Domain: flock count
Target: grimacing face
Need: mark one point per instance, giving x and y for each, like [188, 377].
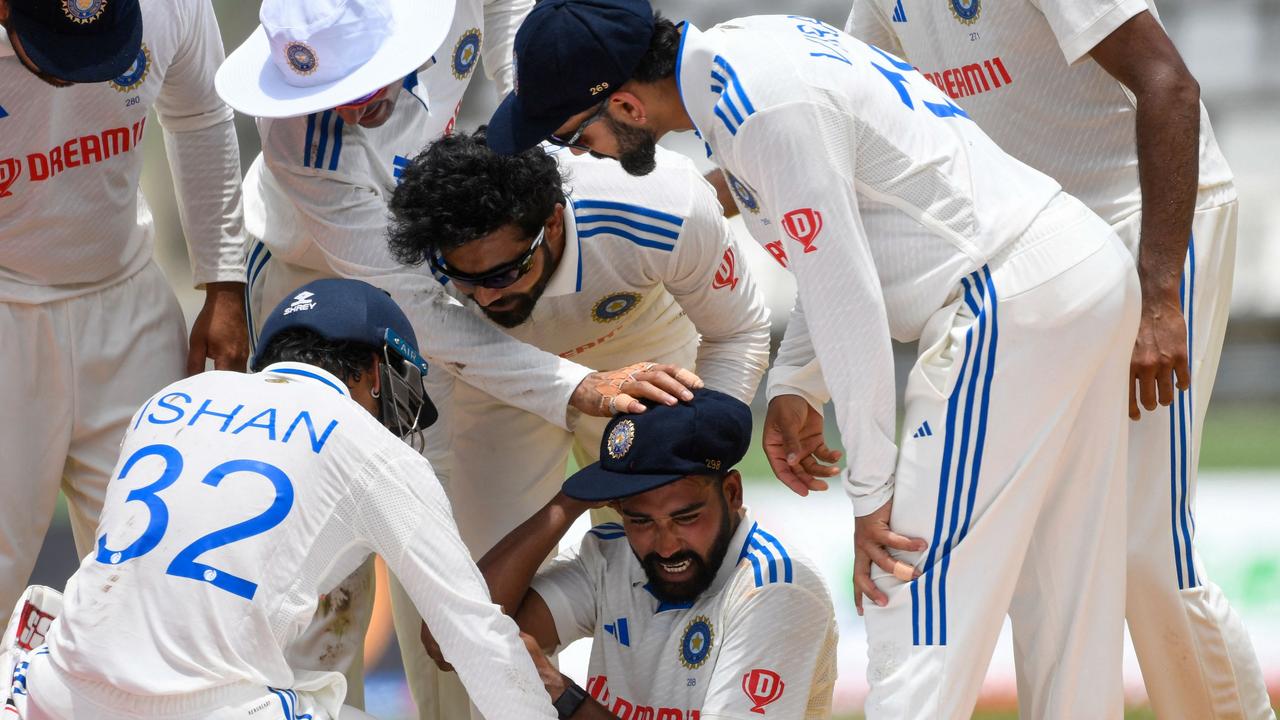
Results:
[680, 532]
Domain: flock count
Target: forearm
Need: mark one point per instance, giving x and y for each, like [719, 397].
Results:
[1168, 131]
[508, 568]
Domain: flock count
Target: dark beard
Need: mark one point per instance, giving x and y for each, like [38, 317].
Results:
[636, 147]
[524, 302]
[704, 568]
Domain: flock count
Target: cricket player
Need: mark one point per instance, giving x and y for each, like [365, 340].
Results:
[1123, 130]
[238, 499]
[339, 121]
[90, 324]
[900, 219]
[572, 256]
[695, 609]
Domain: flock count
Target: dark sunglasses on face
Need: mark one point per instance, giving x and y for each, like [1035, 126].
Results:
[496, 278]
[572, 140]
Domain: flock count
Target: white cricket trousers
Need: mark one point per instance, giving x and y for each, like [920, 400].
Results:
[1196, 657]
[39, 691]
[1011, 467]
[75, 372]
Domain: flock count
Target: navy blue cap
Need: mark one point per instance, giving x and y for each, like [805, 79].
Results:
[569, 56]
[80, 41]
[706, 436]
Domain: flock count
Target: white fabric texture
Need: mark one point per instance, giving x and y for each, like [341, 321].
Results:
[75, 380]
[882, 194]
[76, 221]
[672, 661]
[251, 437]
[1073, 122]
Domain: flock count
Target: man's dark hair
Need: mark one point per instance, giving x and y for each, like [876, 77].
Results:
[458, 190]
[346, 360]
[659, 61]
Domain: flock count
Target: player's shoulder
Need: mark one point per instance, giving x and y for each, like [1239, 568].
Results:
[768, 561]
[605, 545]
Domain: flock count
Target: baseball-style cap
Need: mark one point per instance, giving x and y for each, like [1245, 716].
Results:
[569, 55]
[80, 41]
[705, 436]
[315, 55]
[346, 310]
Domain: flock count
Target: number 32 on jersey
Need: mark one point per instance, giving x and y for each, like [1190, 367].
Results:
[184, 562]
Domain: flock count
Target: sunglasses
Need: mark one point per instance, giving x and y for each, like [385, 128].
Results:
[504, 275]
[361, 101]
[572, 140]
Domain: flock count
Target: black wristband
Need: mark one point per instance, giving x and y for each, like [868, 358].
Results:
[570, 700]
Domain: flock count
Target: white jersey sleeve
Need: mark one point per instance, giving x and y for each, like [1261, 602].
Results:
[501, 20]
[836, 276]
[405, 517]
[707, 275]
[347, 220]
[569, 586]
[1079, 25]
[777, 645]
[204, 156]
[870, 26]
[796, 370]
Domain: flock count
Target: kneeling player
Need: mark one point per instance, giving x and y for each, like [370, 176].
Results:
[239, 499]
[695, 609]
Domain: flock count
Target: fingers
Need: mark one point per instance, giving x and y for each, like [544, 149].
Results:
[651, 391]
[862, 580]
[886, 562]
[433, 649]
[196, 355]
[1134, 412]
[624, 403]
[889, 538]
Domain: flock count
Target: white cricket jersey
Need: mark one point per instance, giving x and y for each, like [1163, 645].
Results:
[760, 642]
[1021, 70]
[869, 184]
[237, 501]
[649, 266]
[72, 215]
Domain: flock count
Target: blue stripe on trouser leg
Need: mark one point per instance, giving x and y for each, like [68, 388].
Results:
[1180, 461]
[974, 381]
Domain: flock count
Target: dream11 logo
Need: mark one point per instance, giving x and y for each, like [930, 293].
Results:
[803, 226]
[762, 687]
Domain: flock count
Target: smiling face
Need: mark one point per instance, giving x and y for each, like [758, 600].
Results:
[680, 532]
[511, 305]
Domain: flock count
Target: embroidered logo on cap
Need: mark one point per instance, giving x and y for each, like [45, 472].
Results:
[620, 439]
[301, 301]
[301, 57]
[83, 12]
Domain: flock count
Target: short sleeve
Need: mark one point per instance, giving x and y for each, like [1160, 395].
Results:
[1079, 25]
[570, 585]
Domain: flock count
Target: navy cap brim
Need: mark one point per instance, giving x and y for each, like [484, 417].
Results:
[510, 131]
[110, 54]
[593, 483]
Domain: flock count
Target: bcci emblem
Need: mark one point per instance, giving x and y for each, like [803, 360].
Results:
[466, 53]
[137, 72]
[966, 11]
[620, 439]
[612, 307]
[302, 59]
[745, 197]
[695, 646]
[83, 12]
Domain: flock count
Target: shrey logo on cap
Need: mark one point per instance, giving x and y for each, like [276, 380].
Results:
[301, 57]
[83, 12]
[301, 301]
[620, 438]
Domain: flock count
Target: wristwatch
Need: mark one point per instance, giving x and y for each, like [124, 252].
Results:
[570, 700]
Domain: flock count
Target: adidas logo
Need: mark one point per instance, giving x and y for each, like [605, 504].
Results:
[923, 431]
[301, 301]
[899, 15]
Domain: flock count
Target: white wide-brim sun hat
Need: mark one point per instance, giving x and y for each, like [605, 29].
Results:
[313, 55]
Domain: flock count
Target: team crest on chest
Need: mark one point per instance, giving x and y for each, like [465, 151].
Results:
[695, 644]
[745, 196]
[133, 78]
[466, 53]
[966, 11]
[301, 57]
[611, 307]
[620, 439]
[83, 12]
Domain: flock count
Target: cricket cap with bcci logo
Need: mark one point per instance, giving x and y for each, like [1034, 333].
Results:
[708, 435]
[313, 55]
[79, 41]
[569, 56]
